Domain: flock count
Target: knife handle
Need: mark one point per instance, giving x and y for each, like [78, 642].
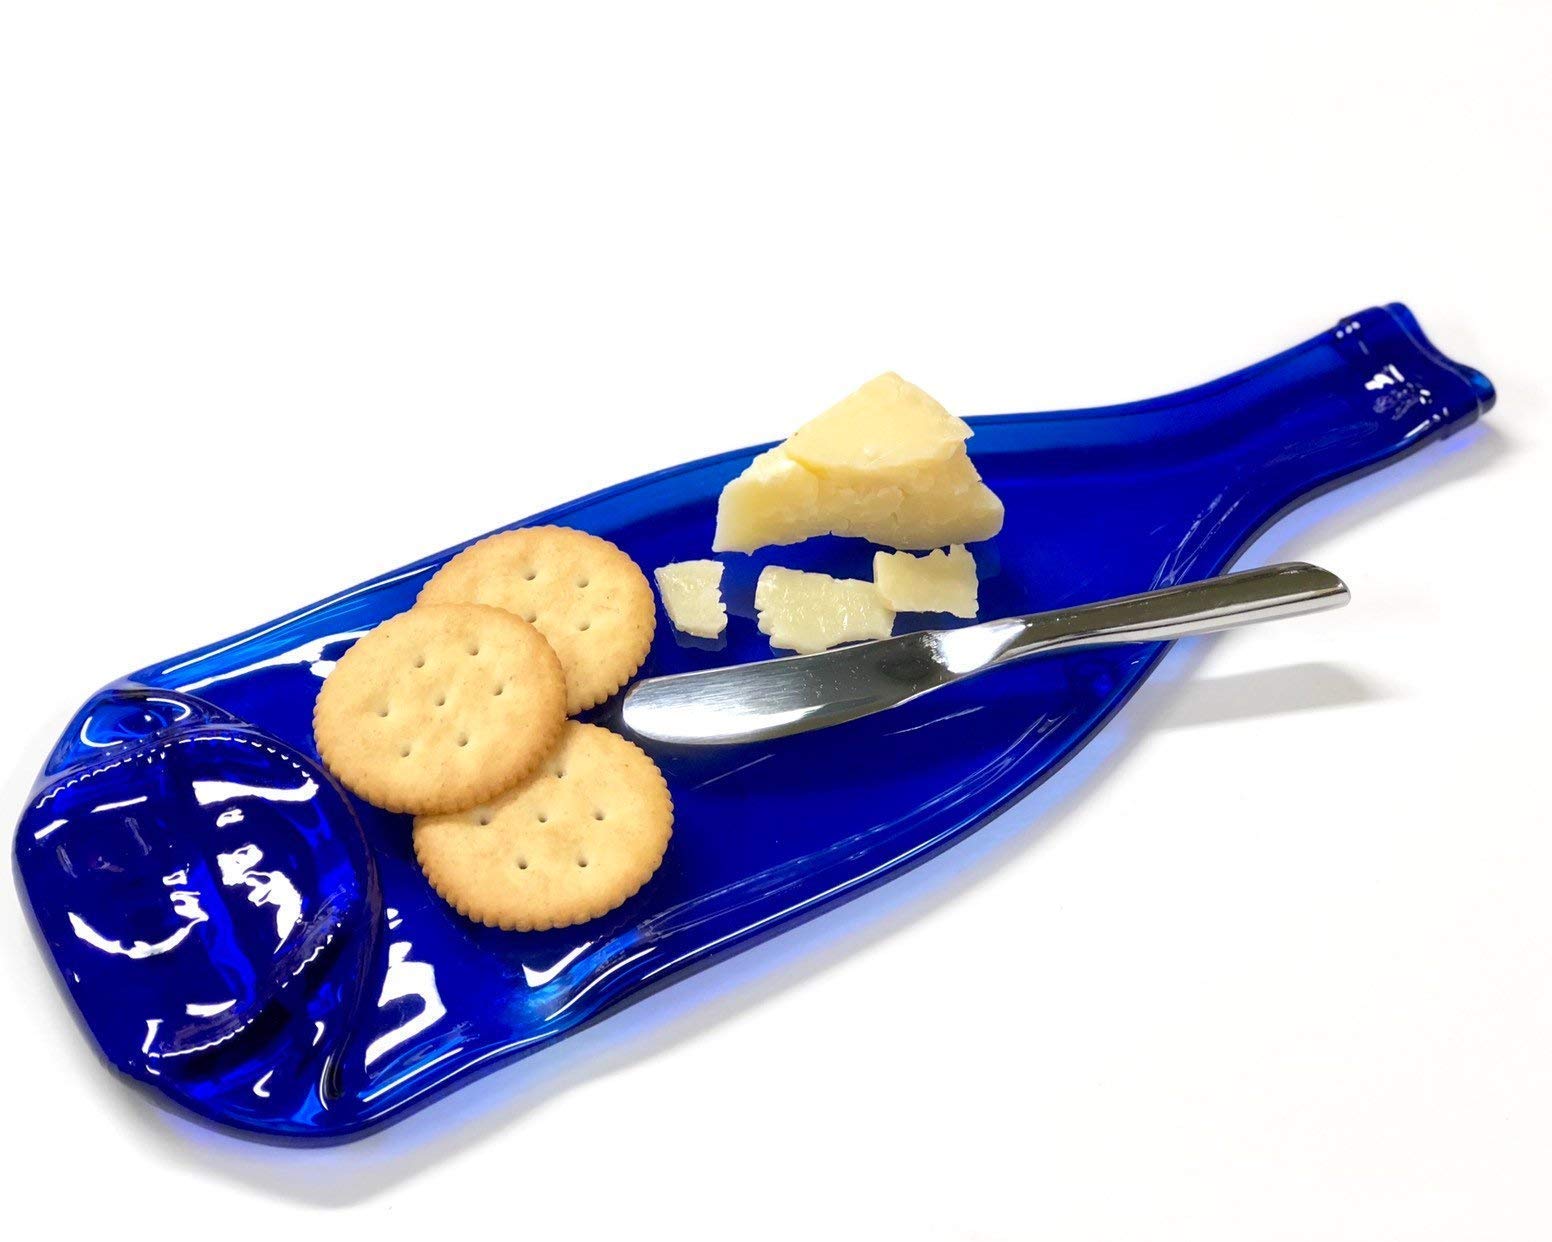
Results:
[1221, 603]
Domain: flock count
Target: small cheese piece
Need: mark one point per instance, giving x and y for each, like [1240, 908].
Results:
[806, 612]
[887, 464]
[938, 582]
[692, 596]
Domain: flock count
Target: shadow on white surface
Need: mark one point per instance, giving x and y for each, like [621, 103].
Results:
[1265, 692]
[359, 1171]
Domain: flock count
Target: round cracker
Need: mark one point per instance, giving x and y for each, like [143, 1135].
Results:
[440, 708]
[570, 843]
[581, 592]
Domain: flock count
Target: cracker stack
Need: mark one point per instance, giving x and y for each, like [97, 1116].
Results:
[456, 712]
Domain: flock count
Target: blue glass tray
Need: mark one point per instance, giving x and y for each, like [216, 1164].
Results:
[247, 938]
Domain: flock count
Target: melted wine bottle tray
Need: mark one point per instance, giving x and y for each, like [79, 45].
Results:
[244, 936]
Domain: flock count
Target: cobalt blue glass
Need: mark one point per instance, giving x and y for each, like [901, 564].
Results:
[244, 936]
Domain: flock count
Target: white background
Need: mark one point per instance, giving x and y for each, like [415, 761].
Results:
[291, 294]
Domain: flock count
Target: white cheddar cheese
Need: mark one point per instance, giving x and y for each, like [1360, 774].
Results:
[887, 464]
[938, 582]
[887, 430]
[806, 612]
[692, 596]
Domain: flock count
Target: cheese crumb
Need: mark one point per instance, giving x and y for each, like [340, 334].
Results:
[887, 464]
[692, 596]
[806, 612]
[938, 582]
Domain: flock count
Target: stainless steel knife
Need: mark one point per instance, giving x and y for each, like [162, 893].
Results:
[774, 698]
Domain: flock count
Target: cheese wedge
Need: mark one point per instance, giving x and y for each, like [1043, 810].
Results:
[806, 612]
[691, 592]
[938, 582]
[887, 464]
